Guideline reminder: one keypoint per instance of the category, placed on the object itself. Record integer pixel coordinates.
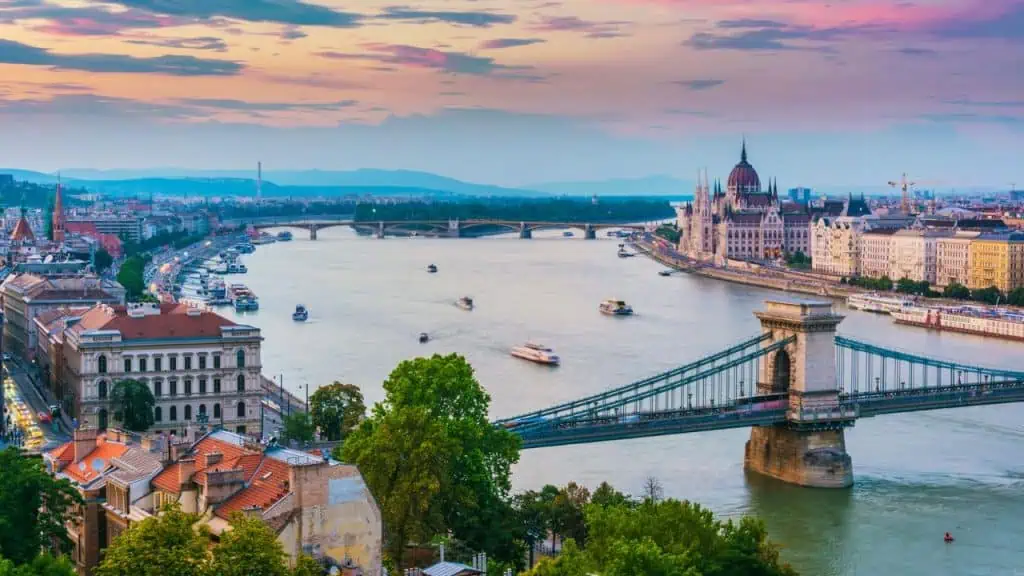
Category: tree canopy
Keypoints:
(132, 277)
(297, 426)
(42, 565)
(133, 404)
(250, 548)
(102, 260)
(33, 507)
(434, 461)
(337, 409)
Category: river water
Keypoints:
(916, 475)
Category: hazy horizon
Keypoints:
(519, 93)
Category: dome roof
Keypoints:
(743, 177)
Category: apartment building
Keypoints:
(874, 252)
(913, 254)
(997, 259)
(835, 245)
(952, 259)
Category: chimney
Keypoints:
(211, 459)
(85, 442)
(186, 467)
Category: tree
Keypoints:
(164, 545)
(990, 295)
(42, 565)
(133, 404)
(337, 409)
(571, 562)
(605, 495)
(250, 548)
(102, 260)
(307, 566)
(653, 490)
(567, 512)
(430, 453)
(298, 426)
(1016, 297)
(33, 508)
(132, 276)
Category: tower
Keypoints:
(58, 215)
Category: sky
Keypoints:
(513, 92)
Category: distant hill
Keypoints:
(646, 186)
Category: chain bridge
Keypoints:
(798, 385)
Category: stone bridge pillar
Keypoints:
(524, 231)
(589, 233)
(380, 230)
(454, 230)
(312, 231)
(809, 449)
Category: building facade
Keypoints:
(742, 221)
(997, 259)
(202, 368)
(835, 246)
(875, 246)
(126, 226)
(26, 296)
(953, 259)
(913, 255)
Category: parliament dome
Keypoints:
(743, 177)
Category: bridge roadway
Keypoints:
(562, 432)
(450, 228)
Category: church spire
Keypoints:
(743, 151)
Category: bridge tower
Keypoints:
(312, 231)
(454, 230)
(380, 230)
(589, 233)
(524, 231)
(809, 449)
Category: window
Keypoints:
(216, 361)
(240, 429)
(158, 388)
(241, 409)
(172, 362)
(202, 408)
(102, 392)
(142, 364)
(188, 412)
(158, 414)
(202, 362)
(158, 364)
(174, 413)
(128, 364)
(202, 384)
(241, 382)
(102, 368)
(216, 385)
(240, 358)
(188, 362)
(188, 386)
(216, 410)
(172, 388)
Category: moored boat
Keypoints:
(284, 236)
(466, 303)
(301, 314)
(615, 308)
(537, 353)
(877, 303)
(965, 319)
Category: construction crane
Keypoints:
(904, 187)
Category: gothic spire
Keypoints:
(743, 152)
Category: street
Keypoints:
(25, 403)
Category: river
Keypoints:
(916, 475)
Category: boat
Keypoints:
(432, 269)
(567, 234)
(264, 238)
(284, 236)
(242, 298)
(879, 304)
(535, 352)
(624, 254)
(976, 320)
(615, 308)
(665, 273)
(300, 314)
(466, 303)
(245, 248)
(424, 337)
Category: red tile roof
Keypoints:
(93, 465)
(172, 322)
(169, 479)
(22, 231)
(269, 485)
(64, 453)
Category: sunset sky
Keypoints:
(514, 92)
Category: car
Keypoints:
(7, 356)
(45, 418)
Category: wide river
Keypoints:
(916, 476)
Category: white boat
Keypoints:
(466, 303)
(301, 314)
(615, 308)
(431, 268)
(965, 319)
(874, 302)
(284, 236)
(535, 352)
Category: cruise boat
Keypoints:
(567, 234)
(966, 319)
(431, 269)
(615, 308)
(264, 238)
(245, 248)
(242, 298)
(538, 353)
(665, 273)
(466, 303)
(877, 303)
(301, 314)
(284, 236)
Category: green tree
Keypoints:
(307, 566)
(298, 426)
(606, 495)
(568, 512)
(133, 404)
(164, 545)
(131, 276)
(250, 548)
(42, 565)
(1016, 297)
(990, 295)
(33, 508)
(102, 260)
(337, 409)
(571, 562)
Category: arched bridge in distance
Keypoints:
(453, 228)
(798, 385)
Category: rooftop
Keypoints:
(155, 321)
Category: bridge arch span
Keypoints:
(510, 226)
(781, 372)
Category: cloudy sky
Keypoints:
(520, 91)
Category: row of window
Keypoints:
(172, 412)
(172, 362)
(172, 386)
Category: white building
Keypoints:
(835, 245)
(952, 258)
(912, 255)
(194, 361)
(874, 252)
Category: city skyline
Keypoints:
(514, 93)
